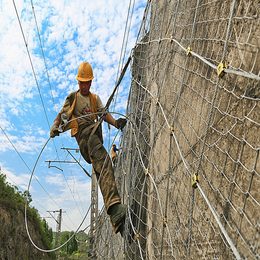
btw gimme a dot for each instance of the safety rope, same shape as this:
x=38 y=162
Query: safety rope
x=30 y=180
x=212 y=65
x=187 y=167
x=26 y=204
x=186 y=62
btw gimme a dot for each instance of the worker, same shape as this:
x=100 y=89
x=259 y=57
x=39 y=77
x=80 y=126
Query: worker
x=88 y=133
x=114 y=155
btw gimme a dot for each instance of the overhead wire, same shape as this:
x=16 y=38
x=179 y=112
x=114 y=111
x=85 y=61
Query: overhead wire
x=45 y=64
x=21 y=189
x=51 y=91
x=30 y=172
x=32 y=66
x=124 y=42
x=27 y=165
x=31 y=63
x=124 y=45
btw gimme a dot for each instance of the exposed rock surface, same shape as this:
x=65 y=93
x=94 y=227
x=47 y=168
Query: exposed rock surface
x=14 y=241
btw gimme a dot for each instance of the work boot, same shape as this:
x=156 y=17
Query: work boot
x=117 y=214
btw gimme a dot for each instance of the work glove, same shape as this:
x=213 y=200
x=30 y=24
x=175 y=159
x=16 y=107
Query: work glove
x=54 y=131
x=120 y=123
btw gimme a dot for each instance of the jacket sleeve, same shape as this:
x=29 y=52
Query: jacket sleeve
x=65 y=108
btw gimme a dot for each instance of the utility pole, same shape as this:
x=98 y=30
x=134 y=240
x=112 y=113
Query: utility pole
x=58 y=229
x=94 y=210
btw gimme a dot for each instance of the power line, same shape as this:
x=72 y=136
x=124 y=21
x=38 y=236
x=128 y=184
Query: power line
x=26 y=45
x=17 y=185
x=46 y=69
x=31 y=171
x=36 y=78
x=26 y=164
x=124 y=45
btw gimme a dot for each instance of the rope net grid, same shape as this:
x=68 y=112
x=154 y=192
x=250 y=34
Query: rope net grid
x=194 y=122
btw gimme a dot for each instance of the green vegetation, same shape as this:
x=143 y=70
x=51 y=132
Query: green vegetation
x=72 y=246
x=12 y=199
x=73 y=249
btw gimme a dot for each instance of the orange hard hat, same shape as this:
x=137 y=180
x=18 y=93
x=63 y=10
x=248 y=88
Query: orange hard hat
x=85 y=72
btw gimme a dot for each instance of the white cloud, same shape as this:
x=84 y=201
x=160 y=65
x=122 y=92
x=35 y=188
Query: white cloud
x=20 y=180
x=71 y=32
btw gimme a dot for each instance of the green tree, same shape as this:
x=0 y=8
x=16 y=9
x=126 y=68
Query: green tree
x=71 y=246
x=48 y=231
x=73 y=243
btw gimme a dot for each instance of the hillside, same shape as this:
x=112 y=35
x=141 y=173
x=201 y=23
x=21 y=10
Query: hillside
x=14 y=242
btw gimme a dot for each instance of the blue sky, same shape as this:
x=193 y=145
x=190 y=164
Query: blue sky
x=71 y=32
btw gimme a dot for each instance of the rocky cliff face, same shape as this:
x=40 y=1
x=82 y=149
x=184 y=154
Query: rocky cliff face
x=14 y=241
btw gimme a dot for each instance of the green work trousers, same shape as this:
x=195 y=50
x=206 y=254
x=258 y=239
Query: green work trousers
x=93 y=151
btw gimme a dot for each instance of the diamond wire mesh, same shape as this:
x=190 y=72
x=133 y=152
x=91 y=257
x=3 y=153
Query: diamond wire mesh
x=216 y=124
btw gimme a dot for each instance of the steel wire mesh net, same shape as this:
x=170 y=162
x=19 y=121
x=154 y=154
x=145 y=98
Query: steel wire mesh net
x=193 y=109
